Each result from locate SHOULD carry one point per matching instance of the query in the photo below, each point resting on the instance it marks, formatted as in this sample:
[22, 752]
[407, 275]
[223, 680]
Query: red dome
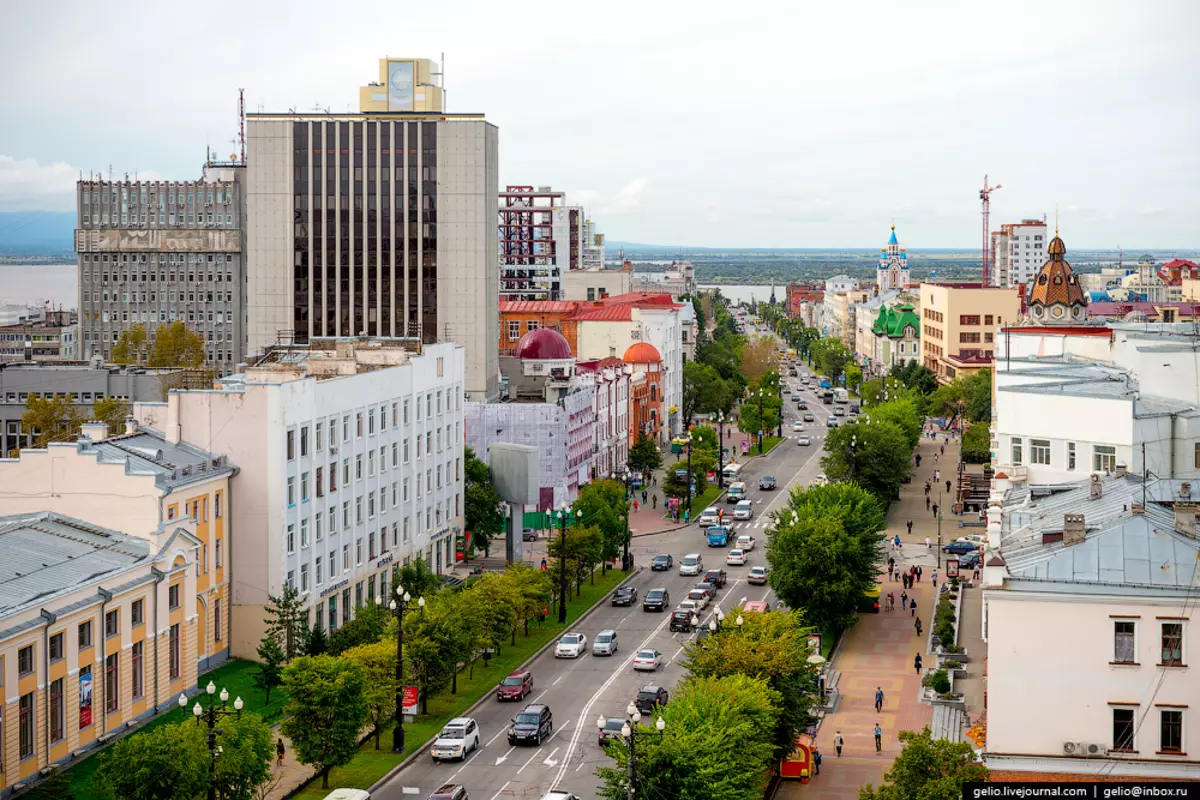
[642, 353]
[543, 343]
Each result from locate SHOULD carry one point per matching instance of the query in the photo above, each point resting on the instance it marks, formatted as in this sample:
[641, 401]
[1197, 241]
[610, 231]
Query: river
[34, 284]
[745, 293]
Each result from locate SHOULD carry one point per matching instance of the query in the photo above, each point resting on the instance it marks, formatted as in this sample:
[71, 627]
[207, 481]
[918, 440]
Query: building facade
[892, 272]
[611, 410]
[959, 323]
[541, 240]
[152, 253]
[1018, 251]
[48, 336]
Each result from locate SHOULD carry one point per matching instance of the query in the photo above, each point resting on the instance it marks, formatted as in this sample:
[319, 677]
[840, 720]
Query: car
[743, 510]
[977, 538]
[839, 412]
[458, 739]
[797, 426]
[656, 600]
[516, 686]
[757, 576]
[717, 536]
[745, 542]
[605, 643]
[736, 558]
[559, 794]
[528, 535]
[571, 645]
[787, 390]
[709, 516]
[969, 560]
[692, 564]
[449, 791]
[611, 729]
[809, 418]
[831, 422]
[804, 406]
[757, 607]
[803, 440]
[690, 606]
[960, 547]
[625, 596]
[766, 483]
[820, 480]
[681, 621]
[661, 562]
[716, 577]
[533, 724]
[650, 696]
[647, 660]
[707, 588]
[699, 597]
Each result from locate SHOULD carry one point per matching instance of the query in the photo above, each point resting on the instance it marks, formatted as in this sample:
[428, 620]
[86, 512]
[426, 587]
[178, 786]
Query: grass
[237, 676]
[769, 443]
[369, 765]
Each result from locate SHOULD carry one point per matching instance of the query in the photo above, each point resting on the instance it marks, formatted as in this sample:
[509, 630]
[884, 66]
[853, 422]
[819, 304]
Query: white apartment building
[350, 454]
[611, 410]
[662, 326]
[1019, 250]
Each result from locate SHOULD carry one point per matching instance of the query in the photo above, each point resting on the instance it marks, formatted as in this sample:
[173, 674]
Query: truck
[841, 396]
[825, 384]
[718, 536]
[737, 491]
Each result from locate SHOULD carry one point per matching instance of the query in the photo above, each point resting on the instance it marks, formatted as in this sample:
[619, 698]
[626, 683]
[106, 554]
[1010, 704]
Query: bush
[977, 445]
[938, 680]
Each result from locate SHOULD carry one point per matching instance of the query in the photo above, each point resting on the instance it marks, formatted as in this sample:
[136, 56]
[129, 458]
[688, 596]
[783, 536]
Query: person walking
[816, 762]
[927, 543]
[909, 523]
[878, 738]
[279, 751]
[904, 600]
[919, 571]
[943, 448]
[635, 506]
[891, 601]
[917, 663]
[918, 460]
[933, 576]
[927, 488]
[687, 517]
[896, 541]
[926, 502]
[654, 501]
[645, 494]
[878, 699]
[912, 606]
[947, 487]
[838, 742]
[935, 458]
[935, 509]
[917, 626]
[975, 574]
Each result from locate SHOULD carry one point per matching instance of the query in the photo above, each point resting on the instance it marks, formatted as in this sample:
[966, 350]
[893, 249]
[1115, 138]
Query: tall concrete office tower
[377, 223]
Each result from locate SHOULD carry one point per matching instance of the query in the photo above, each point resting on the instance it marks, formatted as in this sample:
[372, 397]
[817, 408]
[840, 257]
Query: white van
[732, 471]
[737, 491]
[743, 510]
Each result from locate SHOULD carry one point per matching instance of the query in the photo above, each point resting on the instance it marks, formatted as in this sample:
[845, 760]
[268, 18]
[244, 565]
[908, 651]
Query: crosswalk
[745, 523]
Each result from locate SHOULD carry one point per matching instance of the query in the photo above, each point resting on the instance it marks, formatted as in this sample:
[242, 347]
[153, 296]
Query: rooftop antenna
[242, 123]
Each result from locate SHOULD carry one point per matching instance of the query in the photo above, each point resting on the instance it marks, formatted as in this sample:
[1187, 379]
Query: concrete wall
[612, 282]
[269, 254]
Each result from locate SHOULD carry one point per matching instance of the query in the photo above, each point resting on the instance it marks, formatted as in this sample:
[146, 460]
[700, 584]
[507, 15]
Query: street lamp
[739, 622]
[688, 443]
[398, 608]
[564, 514]
[626, 560]
[721, 450]
[210, 717]
[761, 427]
[853, 455]
[779, 389]
[630, 734]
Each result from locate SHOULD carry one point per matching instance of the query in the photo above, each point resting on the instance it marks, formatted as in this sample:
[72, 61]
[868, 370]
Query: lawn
[769, 443]
[370, 764]
[237, 676]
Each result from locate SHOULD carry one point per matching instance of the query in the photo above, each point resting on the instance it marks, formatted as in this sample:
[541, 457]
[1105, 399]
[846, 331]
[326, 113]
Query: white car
[699, 597]
[743, 510]
[571, 645]
[797, 426]
[820, 480]
[745, 543]
[690, 606]
[736, 558]
[457, 740]
[803, 440]
[691, 564]
[647, 660]
[709, 516]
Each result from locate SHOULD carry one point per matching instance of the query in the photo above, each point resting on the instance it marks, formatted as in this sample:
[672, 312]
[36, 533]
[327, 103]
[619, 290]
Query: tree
[270, 669]
[55, 787]
[489, 612]
[717, 743]
[749, 420]
[378, 660]
[817, 566]
[903, 414]
[244, 764]
[875, 455]
[831, 357]
[112, 411]
[928, 769]
[916, 376]
[979, 396]
[482, 509]
[176, 347]
[368, 625]
[584, 545]
[760, 355]
[416, 579]
[287, 619]
[854, 376]
[704, 391]
[602, 504]
[131, 346]
[51, 419]
[977, 444]
[644, 455]
[435, 641]
[316, 643]
[327, 707]
[532, 589]
[163, 763]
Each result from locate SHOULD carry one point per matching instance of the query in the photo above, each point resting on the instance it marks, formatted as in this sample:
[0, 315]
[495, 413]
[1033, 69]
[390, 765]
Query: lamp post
[210, 717]
[688, 444]
[779, 390]
[630, 735]
[740, 621]
[761, 427]
[398, 608]
[853, 455]
[564, 514]
[721, 450]
[626, 560]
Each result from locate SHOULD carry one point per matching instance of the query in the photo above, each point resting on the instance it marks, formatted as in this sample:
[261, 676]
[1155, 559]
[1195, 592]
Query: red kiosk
[798, 764]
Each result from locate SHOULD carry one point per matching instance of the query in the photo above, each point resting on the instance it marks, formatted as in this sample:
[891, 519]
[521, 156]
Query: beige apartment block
[97, 631]
[959, 322]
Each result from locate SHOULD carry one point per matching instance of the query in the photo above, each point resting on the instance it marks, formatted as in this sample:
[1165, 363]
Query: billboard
[401, 83]
[410, 702]
[85, 697]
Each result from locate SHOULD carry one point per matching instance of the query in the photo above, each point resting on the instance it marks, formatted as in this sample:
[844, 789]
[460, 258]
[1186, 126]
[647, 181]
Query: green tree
[489, 612]
[854, 376]
[704, 391]
[416, 579]
[928, 769]
[916, 376]
[51, 419]
[287, 620]
[368, 625]
[979, 396]
[176, 347]
[327, 707]
[903, 414]
[378, 661]
[112, 411]
[435, 641]
[484, 515]
[977, 444]
[270, 669]
[316, 643]
[875, 455]
[644, 455]
[602, 504]
[831, 357]
[583, 548]
[131, 346]
[532, 590]
[749, 420]
[816, 565]
[244, 764]
[163, 763]
[55, 787]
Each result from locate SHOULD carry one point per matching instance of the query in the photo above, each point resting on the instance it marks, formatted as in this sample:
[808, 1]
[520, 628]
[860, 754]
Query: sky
[717, 124]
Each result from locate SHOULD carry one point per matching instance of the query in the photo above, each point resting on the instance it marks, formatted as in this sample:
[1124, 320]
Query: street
[580, 690]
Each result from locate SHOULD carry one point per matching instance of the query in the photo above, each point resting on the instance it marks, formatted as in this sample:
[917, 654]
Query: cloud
[623, 201]
[26, 185]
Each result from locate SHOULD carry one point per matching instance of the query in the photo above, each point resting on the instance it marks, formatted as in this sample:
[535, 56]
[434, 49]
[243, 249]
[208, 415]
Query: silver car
[605, 643]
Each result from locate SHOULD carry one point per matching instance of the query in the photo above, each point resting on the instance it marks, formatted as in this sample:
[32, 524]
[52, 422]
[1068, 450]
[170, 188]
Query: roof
[621, 313]
[642, 353]
[538, 306]
[46, 553]
[1056, 283]
[1061, 330]
[1113, 309]
[543, 343]
[893, 320]
[147, 452]
[645, 298]
[892, 240]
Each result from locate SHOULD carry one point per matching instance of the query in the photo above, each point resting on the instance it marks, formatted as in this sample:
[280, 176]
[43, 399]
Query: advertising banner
[400, 85]
[85, 697]
[411, 700]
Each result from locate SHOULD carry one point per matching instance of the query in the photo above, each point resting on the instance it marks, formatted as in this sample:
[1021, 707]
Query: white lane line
[499, 733]
[504, 757]
[536, 753]
[502, 788]
[554, 732]
[677, 652]
[556, 680]
[579, 767]
[540, 696]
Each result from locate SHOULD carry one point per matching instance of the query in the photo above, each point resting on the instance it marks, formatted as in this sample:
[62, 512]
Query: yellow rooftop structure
[405, 84]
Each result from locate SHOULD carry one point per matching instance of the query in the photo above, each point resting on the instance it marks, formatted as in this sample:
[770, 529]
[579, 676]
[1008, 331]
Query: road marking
[579, 767]
[554, 732]
[556, 680]
[502, 788]
[504, 757]
[499, 733]
[550, 760]
[677, 652]
[412, 789]
[536, 753]
[540, 696]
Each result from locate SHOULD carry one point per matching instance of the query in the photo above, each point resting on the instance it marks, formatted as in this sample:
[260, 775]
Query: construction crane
[985, 194]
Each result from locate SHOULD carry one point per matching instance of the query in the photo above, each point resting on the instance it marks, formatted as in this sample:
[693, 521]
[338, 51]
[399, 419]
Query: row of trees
[173, 347]
[750, 420]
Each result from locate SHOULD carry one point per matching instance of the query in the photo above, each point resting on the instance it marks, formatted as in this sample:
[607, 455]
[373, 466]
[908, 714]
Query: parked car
[661, 562]
[533, 725]
[650, 696]
[745, 542]
[605, 643]
[757, 576]
[516, 686]
[736, 558]
[699, 597]
[611, 729]
[766, 483]
[458, 738]
[690, 606]
[757, 607]
[647, 660]
[969, 561]
[656, 600]
[716, 577]
[625, 596]
[803, 440]
[449, 791]
[571, 645]
[960, 547]
[709, 516]
[681, 621]
[692, 564]
[529, 535]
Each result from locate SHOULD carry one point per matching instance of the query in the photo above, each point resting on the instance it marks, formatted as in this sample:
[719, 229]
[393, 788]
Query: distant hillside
[36, 232]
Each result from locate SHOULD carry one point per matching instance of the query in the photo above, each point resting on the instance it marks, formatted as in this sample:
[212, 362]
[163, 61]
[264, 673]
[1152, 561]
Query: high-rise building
[379, 224]
[1018, 252]
[959, 323]
[541, 240]
[152, 253]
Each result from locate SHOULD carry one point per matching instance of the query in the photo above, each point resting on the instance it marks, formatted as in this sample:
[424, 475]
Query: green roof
[892, 321]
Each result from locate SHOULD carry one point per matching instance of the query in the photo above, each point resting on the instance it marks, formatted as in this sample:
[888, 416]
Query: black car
[625, 596]
[681, 621]
[661, 562]
[532, 725]
[766, 482]
[716, 577]
[656, 600]
[804, 406]
[611, 730]
[650, 696]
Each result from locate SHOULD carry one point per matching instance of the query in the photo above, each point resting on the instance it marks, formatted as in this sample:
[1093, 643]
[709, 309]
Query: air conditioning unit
[1072, 748]
[1095, 749]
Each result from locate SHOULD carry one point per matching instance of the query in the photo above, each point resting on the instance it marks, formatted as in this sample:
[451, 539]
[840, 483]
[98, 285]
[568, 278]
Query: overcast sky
[738, 124]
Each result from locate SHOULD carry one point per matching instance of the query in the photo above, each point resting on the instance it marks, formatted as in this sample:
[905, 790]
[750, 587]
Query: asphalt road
[580, 690]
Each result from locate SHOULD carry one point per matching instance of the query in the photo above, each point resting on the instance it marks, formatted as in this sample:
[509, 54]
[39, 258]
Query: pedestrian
[654, 501]
[947, 487]
[909, 523]
[279, 751]
[816, 762]
[878, 738]
[926, 502]
[687, 517]
[917, 663]
[933, 577]
[935, 458]
[919, 571]
[927, 543]
[543, 565]
[891, 568]
[635, 506]
[943, 449]
[878, 699]
[896, 541]
[912, 607]
[918, 460]
[891, 604]
[644, 495]
[904, 599]
[975, 574]
[838, 741]
[927, 488]
[935, 508]
[917, 625]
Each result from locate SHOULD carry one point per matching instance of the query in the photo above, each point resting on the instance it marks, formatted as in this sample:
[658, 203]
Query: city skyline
[631, 122]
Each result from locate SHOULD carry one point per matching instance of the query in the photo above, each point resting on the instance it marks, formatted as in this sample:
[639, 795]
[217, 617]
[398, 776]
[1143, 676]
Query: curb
[378, 785]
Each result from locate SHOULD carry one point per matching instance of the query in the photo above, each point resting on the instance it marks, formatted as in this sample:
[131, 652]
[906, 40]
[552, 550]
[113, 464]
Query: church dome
[1057, 248]
[642, 353]
[1056, 284]
[543, 343]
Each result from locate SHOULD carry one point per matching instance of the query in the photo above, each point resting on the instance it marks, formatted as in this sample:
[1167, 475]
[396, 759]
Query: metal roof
[147, 452]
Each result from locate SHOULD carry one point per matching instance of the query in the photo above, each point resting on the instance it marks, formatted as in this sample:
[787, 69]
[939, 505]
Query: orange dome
[642, 353]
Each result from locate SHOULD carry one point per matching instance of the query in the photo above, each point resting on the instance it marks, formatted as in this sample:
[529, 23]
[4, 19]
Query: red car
[515, 687]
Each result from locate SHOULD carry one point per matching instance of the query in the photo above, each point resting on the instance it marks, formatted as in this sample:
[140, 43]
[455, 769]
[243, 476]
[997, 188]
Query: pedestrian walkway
[288, 776]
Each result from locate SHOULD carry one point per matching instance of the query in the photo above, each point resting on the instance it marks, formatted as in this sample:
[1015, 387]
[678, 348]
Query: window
[173, 596]
[291, 445]
[358, 425]
[1196, 455]
[1124, 642]
[1172, 644]
[1039, 451]
[1016, 451]
[137, 668]
[217, 619]
[303, 442]
[25, 660]
[57, 645]
[1104, 458]
[26, 725]
[358, 467]
[291, 539]
[58, 710]
[291, 491]
[112, 623]
[358, 551]
[320, 481]
[304, 532]
[406, 414]
[345, 429]
[968, 319]
[1070, 455]
[137, 613]
[345, 472]
[370, 421]
[1170, 730]
[304, 575]
[112, 682]
[176, 657]
[85, 635]
[1123, 725]
[320, 436]
[514, 329]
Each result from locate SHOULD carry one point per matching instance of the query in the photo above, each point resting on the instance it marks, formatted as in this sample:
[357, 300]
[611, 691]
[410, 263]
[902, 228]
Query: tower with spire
[892, 272]
[1056, 296]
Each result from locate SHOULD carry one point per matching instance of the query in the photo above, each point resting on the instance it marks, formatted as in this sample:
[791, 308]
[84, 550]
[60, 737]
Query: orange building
[646, 391]
[519, 317]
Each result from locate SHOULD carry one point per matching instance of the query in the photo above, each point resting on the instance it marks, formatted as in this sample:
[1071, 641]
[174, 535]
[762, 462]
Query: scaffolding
[533, 224]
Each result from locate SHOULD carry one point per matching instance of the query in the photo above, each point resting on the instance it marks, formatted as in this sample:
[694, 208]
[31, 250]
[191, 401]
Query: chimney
[96, 431]
[172, 432]
[130, 425]
[1185, 490]
[1095, 490]
[1073, 529]
[1185, 518]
